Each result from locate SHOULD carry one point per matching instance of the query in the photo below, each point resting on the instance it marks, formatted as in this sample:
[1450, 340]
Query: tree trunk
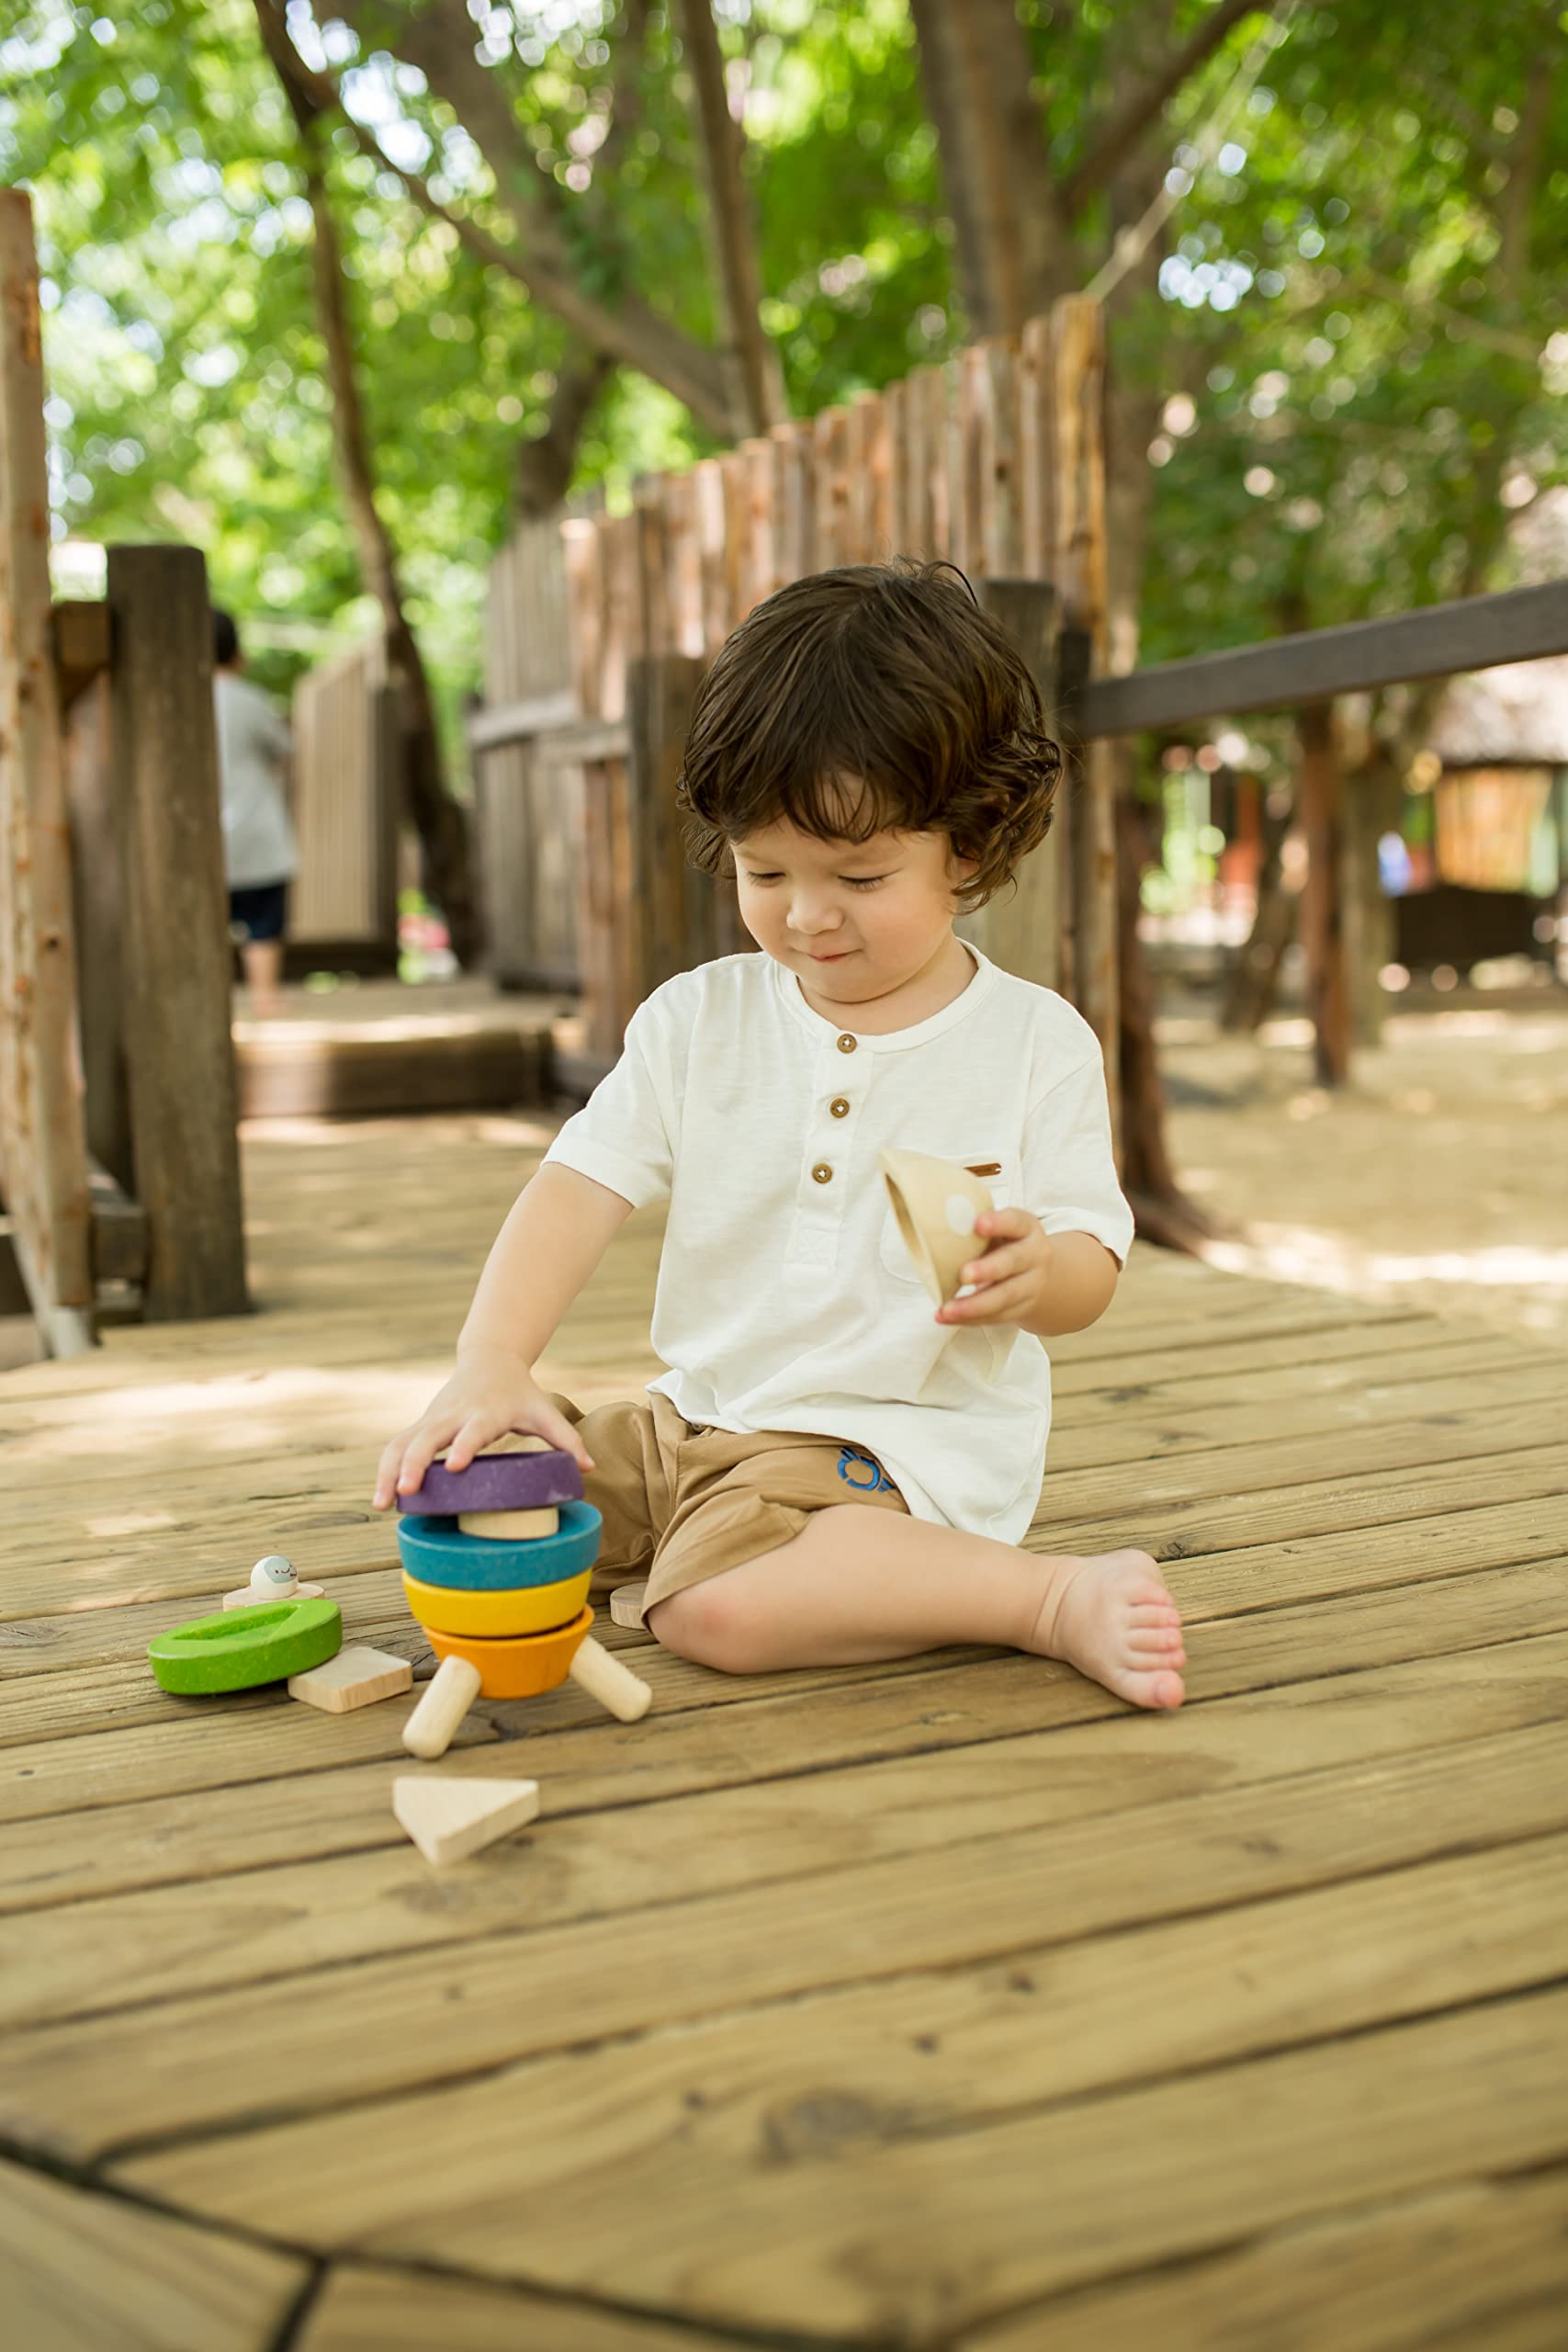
[1014, 251]
[757, 385]
[440, 822]
[1254, 976]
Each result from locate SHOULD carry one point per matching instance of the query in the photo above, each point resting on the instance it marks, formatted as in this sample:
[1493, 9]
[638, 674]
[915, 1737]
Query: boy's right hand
[489, 1395]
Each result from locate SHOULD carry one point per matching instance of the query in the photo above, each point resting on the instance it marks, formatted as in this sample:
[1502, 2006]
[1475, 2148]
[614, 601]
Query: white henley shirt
[786, 1298]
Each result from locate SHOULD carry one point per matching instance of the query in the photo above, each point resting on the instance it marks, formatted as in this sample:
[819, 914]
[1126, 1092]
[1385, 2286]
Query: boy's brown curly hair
[877, 697]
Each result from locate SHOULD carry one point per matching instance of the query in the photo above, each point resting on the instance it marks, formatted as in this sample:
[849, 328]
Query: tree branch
[631, 334]
[1130, 119]
[758, 387]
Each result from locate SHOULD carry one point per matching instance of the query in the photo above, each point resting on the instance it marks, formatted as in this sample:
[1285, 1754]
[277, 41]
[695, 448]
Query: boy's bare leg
[858, 1584]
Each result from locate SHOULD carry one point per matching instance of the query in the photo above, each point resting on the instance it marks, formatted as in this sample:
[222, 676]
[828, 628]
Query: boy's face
[881, 909]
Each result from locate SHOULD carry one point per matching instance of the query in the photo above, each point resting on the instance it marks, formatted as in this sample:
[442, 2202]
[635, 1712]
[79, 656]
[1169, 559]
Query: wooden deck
[944, 2004]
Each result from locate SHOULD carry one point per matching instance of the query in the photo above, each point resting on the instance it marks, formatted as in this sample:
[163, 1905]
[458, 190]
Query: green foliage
[1350, 381]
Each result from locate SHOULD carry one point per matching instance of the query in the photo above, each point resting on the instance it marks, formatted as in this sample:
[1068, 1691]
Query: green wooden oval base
[241, 1647]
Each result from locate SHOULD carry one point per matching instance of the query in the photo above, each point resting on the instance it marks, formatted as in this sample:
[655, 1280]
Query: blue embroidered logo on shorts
[851, 1459]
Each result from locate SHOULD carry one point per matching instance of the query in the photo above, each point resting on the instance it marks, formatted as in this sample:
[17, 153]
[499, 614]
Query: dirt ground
[1439, 1178]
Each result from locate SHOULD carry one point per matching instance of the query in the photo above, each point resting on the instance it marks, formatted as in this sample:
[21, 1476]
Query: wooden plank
[1079, 569]
[621, 605]
[996, 392]
[997, 1717]
[581, 559]
[361, 2309]
[511, 722]
[940, 2233]
[43, 1152]
[147, 1554]
[90, 2273]
[708, 477]
[100, 2084]
[959, 459]
[830, 494]
[795, 493]
[347, 1893]
[829, 2077]
[218, 1749]
[1449, 2270]
[661, 693]
[895, 429]
[738, 560]
[1438, 642]
[179, 1058]
[654, 630]
[1036, 448]
[685, 585]
[1020, 929]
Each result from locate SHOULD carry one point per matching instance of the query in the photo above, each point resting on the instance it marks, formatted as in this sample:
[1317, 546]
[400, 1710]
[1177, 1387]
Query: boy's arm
[1079, 1284]
[558, 1228]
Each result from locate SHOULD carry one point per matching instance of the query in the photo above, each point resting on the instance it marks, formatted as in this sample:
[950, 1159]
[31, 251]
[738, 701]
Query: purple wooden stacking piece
[498, 1481]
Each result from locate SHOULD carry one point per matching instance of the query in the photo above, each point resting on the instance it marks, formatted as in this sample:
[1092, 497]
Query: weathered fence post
[1023, 933]
[43, 1153]
[99, 902]
[176, 954]
[1078, 331]
[674, 926]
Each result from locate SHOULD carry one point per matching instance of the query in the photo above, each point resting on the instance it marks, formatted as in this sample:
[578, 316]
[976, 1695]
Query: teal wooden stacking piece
[435, 1550]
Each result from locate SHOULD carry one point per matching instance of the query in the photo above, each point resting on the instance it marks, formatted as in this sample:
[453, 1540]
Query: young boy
[832, 1470]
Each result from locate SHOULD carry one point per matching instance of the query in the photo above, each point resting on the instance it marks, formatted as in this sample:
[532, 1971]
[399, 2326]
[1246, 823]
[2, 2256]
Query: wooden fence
[993, 461]
[347, 808]
[119, 1160]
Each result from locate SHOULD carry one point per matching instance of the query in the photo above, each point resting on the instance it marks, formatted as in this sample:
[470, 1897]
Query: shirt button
[847, 1044]
[822, 1172]
[839, 1105]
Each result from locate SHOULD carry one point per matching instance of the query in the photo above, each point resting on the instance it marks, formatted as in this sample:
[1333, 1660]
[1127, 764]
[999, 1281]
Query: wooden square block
[356, 1677]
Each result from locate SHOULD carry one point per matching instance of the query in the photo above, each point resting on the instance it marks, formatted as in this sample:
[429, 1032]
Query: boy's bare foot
[1114, 1619]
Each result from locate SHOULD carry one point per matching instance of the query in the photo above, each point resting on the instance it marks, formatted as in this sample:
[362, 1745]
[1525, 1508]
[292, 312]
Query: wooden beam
[179, 1059]
[1439, 641]
[515, 722]
[43, 1151]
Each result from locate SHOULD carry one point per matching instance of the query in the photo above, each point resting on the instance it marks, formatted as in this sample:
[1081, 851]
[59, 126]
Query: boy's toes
[1164, 1690]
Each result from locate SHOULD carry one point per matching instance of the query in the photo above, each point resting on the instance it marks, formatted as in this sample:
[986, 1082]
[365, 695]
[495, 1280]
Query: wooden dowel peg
[605, 1678]
[431, 1729]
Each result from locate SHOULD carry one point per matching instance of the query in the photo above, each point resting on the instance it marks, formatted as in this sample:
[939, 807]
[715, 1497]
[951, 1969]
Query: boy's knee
[712, 1627]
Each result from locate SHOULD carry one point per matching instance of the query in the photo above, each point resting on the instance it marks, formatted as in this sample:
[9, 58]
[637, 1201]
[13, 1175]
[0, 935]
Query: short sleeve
[1070, 1167]
[624, 1136]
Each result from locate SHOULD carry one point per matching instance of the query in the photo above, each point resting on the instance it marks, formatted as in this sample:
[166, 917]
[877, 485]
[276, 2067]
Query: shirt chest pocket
[998, 1170]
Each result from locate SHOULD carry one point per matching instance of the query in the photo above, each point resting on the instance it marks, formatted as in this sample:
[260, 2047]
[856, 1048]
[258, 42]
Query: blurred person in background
[259, 856]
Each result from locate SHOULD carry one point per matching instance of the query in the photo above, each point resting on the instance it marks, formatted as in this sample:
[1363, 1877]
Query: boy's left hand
[1013, 1275]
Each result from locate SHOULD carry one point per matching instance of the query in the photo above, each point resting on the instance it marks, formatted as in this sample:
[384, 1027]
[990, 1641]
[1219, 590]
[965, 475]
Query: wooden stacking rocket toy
[497, 1560]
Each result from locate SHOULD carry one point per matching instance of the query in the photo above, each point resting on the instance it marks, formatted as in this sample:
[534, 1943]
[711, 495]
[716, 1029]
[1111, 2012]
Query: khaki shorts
[680, 1502]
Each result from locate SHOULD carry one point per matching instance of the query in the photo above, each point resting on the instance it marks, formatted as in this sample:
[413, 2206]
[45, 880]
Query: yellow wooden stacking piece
[516, 1609]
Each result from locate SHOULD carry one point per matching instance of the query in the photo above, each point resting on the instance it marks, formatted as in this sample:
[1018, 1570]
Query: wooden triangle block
[448, 1819]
